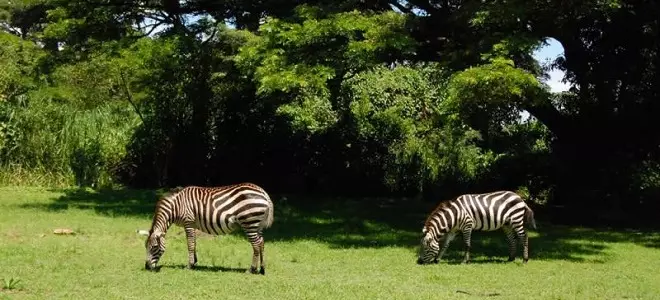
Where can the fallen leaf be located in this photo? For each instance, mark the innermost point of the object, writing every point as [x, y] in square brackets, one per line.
[63, 231]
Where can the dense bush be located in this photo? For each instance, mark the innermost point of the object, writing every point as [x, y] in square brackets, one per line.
[72, 126]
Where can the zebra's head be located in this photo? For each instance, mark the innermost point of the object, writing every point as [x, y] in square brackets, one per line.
[155, 246]
[429, 248]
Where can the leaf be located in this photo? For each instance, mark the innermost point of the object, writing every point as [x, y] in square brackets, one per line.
[63, 231]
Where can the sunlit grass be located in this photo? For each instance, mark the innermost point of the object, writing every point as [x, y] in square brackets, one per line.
[327, 253]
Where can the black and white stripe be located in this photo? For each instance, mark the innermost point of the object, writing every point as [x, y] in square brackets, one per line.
[214, 210]
[486, 212]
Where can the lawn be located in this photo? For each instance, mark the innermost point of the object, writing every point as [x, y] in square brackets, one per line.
[329, 250]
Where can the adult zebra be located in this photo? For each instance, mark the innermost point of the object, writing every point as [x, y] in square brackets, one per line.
[214, 210]
[485, 212]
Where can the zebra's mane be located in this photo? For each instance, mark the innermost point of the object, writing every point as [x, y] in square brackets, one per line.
[441, 206]
[173, 191]
[168, 196]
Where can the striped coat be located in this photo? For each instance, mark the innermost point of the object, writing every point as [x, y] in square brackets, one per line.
[214, 210]
[485, 212]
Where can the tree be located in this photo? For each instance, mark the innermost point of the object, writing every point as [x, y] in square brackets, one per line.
[603, 126]
[306, 61]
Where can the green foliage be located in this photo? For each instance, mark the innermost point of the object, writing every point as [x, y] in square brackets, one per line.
[404, 110]
[497, 83]
[492, 95]
[645, 184]
[10, 283]
[187, 90]
[77, 125]
[16, 67]
[86, 144]
[82, 28]
[16, 70]
[307, 60]
[332, 95]
[9, 133]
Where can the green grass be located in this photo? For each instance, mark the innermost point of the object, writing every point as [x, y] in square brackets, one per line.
[330, 250]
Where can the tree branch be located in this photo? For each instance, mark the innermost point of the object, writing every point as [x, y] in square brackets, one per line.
[129, 95]
[215, 31]
[153, 27]
[549, 116]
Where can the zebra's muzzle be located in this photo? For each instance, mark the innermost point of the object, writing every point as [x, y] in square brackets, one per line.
[150, 267]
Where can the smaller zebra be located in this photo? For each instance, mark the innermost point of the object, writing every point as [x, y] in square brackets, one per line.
[484, 212]
[214, 210]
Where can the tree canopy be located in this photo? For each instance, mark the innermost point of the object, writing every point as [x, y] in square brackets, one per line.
[352, 97]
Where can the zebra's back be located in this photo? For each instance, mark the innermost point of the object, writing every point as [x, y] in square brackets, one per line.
[220, 210]
[485, 211]
[491, 211]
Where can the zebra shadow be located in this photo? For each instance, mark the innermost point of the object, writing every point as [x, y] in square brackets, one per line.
[203, 268]
[550, 242]
[477, 261]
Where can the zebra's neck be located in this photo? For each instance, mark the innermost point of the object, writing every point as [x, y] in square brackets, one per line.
[161, 224]
[164, 216]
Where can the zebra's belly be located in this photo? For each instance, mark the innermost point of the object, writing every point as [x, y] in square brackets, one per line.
[491, 228]
[215, 228]
[487, 227]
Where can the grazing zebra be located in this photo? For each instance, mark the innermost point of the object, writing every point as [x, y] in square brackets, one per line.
[485, 212]
[214, 210]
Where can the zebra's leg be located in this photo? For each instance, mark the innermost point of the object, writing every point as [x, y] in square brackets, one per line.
[445, 244]
[192, 253]
[511, 238]
[262, 269]
[522, 237]
[467, 236]
[525, 242]
[257, 241]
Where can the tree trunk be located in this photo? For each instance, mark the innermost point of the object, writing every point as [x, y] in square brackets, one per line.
[197, 141]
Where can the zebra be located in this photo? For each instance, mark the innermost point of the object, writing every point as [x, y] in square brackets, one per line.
[213, 210]
[468, 212]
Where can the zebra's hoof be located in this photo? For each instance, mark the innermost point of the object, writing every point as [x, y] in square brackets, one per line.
[252, 270]
[190, 267]
[262, 271]
[525, 260]
[511, 259]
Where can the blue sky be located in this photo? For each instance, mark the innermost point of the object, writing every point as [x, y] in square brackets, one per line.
[550, 52]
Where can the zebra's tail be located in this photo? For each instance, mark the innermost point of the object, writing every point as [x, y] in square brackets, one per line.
[268, 221]
[529, 217]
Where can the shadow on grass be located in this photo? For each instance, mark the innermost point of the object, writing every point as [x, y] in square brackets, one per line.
[105, 202]
[373, 223]
[550, 243]
[202, 268]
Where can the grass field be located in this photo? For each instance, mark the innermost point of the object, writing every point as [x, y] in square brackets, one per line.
[329, 250]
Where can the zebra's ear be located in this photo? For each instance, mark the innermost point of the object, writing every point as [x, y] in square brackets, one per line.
[424, 230]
